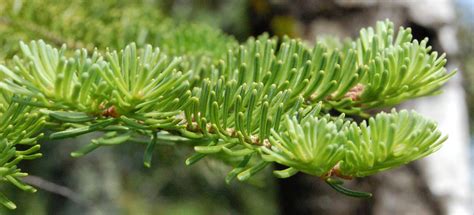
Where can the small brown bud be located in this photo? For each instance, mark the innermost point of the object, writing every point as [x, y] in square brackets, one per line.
[267, 143]
[355, 92]
[111, 112]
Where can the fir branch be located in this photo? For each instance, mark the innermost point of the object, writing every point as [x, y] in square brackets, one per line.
[388, 140]
[19, 127]
[265, 101]
[399, 68]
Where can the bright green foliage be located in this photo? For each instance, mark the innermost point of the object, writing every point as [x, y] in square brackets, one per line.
[377, 70]
[387, 141]
[315, 145]
[311, 145]
[53, 80]
[19, 126]
[313, 74]
[146, 84]
[264, 101]
[399, 68]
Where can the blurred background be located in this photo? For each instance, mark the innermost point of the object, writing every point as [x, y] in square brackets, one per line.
[114, 181]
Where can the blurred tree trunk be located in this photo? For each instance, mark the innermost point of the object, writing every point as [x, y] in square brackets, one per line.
[419, 188]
